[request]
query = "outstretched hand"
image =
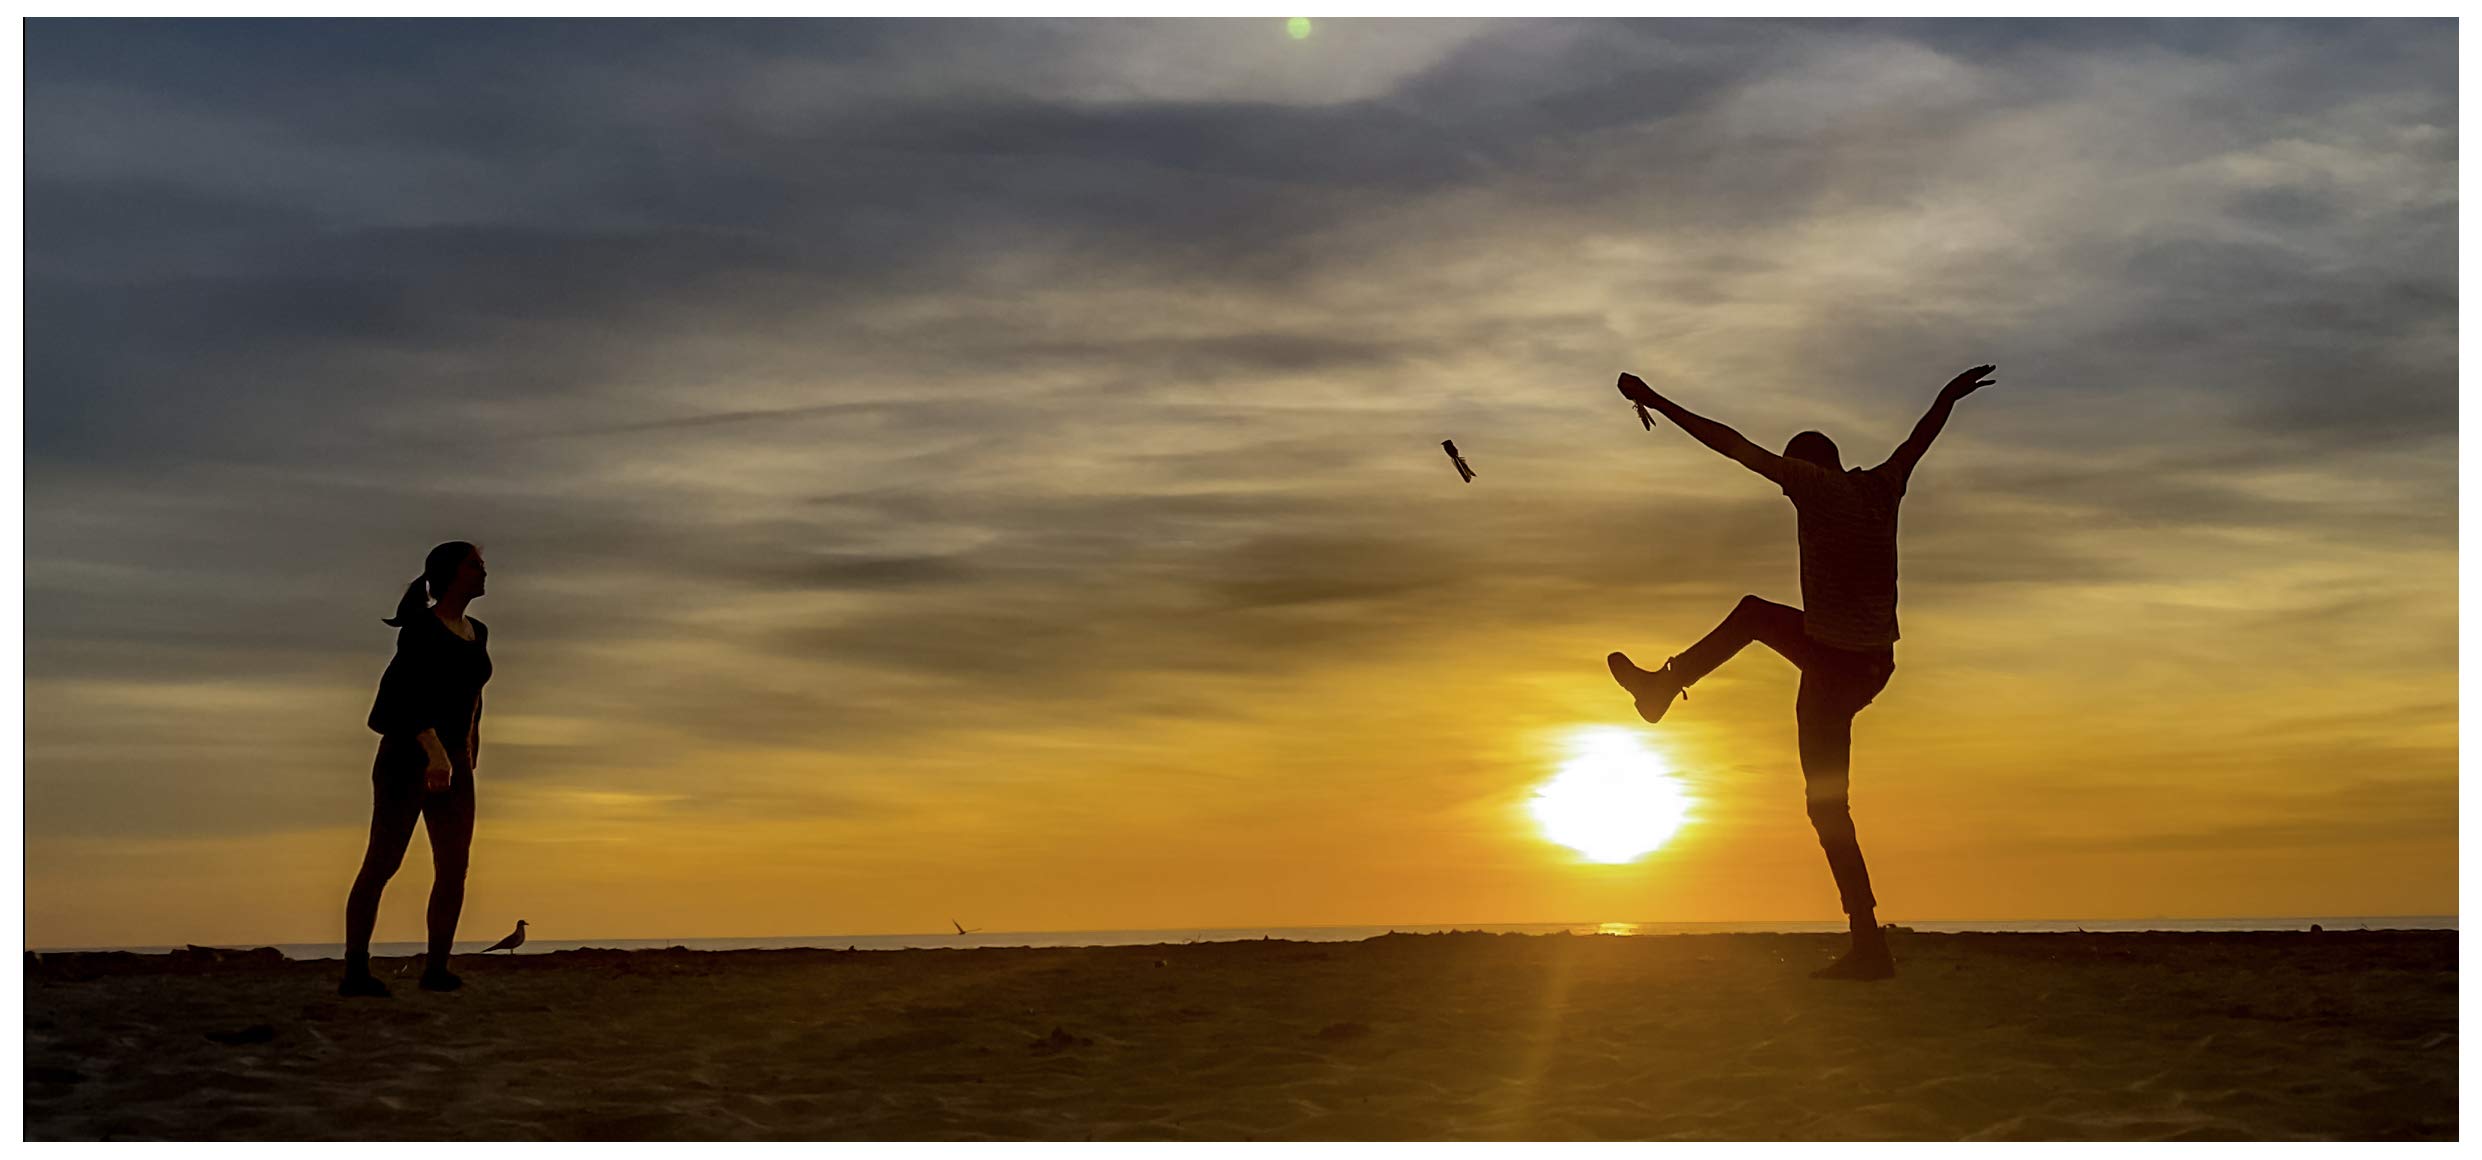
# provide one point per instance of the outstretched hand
(1966, 383)
(1636, 391)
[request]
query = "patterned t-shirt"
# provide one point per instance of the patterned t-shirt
(1847, 525)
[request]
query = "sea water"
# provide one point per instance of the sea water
(537, 943)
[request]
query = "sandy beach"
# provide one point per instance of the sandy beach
(1469, 1036)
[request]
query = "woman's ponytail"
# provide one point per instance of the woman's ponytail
(438, 569)
(412, 604)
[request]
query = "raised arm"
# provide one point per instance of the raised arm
(1727, 442)
(1910, 451)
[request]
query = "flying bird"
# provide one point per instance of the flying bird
(961, 927)
(516, 938)
(1466, 472)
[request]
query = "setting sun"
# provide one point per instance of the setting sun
(1614, 800)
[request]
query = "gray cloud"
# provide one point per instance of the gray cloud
(928, 364)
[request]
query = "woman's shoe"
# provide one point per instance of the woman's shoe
(1655, 691)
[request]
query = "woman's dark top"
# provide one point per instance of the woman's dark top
(435, 682)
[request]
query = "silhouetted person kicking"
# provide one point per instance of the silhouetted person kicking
(1843, 639)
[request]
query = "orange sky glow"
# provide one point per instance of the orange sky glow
(992, 472)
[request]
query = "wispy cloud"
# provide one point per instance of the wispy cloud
(854, 410)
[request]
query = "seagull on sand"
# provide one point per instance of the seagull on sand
(516, 938)
(1459, 460)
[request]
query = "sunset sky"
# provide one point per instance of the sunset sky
(991, 470)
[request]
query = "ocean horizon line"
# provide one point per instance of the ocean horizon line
(1328, 932)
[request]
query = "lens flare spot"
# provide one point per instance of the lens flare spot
(1298, 27)
(1613, 800)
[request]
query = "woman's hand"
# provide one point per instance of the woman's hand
(435, 768)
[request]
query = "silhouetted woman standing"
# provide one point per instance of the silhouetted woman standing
(429, 719)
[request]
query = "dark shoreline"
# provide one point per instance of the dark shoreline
(2038, 945)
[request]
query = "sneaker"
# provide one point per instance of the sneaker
(362, 986)
(1859, 966)
(440, 981)
(1655, 691)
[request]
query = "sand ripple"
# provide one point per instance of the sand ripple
(2009, 1037)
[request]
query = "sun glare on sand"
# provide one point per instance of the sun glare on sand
(1614, 800)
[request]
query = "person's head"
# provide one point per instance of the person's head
(1813, 447)
(453, 570)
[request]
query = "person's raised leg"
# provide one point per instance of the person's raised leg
(1825, 710)
(393, 813)
(1753, 619)
(448, 817)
